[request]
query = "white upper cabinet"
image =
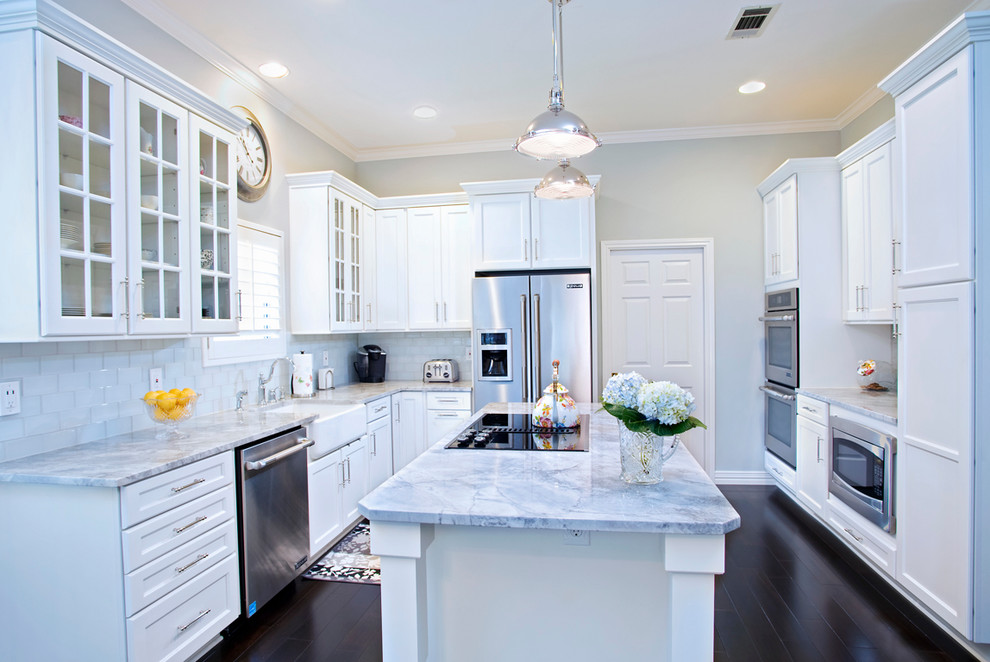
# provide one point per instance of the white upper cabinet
(326, 256)
(98, 173)
(158, 200)
(216, 304)
(867, 234)
(82, 194)
(438, 243)
(780, 233)
(521, 231)
(934, 127)
(391, 309)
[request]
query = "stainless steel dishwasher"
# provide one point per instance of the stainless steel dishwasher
(273, 512)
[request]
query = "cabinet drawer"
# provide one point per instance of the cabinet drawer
(448, 400)
(153, 496)
(871, 543)
(811, 408)
(186, 619)
(166, 573)
(785, 476)
(379, 408)
(149, 540)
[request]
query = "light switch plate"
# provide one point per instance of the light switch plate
(10, 398)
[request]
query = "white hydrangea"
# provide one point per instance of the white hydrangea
(665, 402)
(623, 389)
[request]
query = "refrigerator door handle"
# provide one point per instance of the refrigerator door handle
(537, 345)
(525, 343)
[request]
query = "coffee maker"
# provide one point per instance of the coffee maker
(370, 365)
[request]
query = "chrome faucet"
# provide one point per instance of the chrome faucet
(263, 381)
(240, 399)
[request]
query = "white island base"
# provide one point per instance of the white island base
(456, 593)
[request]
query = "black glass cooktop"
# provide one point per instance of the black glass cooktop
(515, 432)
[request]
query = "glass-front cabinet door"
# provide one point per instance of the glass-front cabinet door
(216, 300)
(158, 213)
(346, 263)
(81, 194)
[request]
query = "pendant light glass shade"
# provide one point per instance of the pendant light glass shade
(564, 182)
(557, 133)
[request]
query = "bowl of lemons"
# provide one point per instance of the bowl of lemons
(169, 408)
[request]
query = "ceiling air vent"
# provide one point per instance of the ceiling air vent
(751, 21)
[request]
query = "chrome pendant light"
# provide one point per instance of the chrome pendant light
(557, 133)
(564, 182)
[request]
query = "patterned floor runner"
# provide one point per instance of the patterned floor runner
(350, 560)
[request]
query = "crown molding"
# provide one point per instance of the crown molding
(56, 22)
(879, 136)
(427, 200)
(797, 166)
(512, 186)
(967, 29)
(198, 43)
(859, 106)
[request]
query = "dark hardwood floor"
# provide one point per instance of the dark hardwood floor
(790, 592)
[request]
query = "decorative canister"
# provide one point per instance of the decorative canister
(555, 409)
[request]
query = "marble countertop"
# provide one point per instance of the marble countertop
(551, 490)
(128, 458)
(878, 405)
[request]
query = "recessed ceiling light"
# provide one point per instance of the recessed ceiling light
(273, 70)
(425, 112)
(752, 87)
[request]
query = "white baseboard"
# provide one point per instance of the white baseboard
(760, 477)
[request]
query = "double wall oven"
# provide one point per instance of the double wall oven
(780, 323)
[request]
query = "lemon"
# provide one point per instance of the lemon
(151, 395)
(167, 402)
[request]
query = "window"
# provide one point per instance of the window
(259, 276)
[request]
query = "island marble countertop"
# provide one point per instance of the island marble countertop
(550, 489)
(878, 405)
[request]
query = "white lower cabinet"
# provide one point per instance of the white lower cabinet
(862, 536)
(324, 501)
(780, 471)
(159, 585)
(812, 455)
(354, 458)
(408, 427)
(379, 441)
(445, 412)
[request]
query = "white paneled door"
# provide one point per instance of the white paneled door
(656, 321)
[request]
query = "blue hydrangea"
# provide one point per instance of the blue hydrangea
(665, 402)
(623, 389)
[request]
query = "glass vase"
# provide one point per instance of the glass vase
(642, 455)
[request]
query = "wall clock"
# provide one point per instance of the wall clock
(254, 158)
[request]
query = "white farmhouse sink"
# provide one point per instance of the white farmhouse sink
(336, 424)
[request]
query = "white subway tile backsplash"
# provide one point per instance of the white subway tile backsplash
(81, 391)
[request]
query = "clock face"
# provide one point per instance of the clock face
(254, 166)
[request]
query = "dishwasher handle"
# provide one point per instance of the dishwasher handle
(271, 459)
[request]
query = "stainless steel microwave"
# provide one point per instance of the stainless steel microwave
(862, 471)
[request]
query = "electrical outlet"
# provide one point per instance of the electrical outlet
(10, 398)
(326, 358)
(577, 537)
(155, 379)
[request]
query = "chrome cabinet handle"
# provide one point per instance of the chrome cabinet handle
(343, 477)
(240, 306)
(819, 450)
(525, 254)
(441, 414)
(893, 257)
(436, 311)
(127, 299)
(850, 532)
(374, 444)
(536, 249)
(777, 471)
(348, 471)
(444, 311)
(866, 301)
(379, 409)
(201, 518)
(807, 408)
(176, 490)
(367, 318)
(183, 628)
(191, 563)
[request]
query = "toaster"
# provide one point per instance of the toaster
(440, 370)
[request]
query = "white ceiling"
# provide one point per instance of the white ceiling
(635, 69)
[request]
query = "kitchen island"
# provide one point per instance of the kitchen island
(526, 555)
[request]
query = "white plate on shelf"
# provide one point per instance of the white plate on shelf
(102, 247)
(69, 311)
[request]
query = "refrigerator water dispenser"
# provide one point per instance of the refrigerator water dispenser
(493, 355)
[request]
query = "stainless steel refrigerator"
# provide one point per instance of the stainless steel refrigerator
(521, 324)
